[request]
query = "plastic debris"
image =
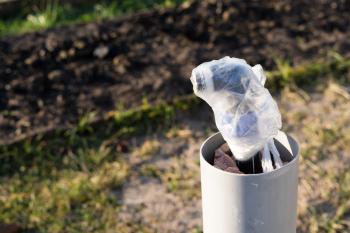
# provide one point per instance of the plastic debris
(245, 112)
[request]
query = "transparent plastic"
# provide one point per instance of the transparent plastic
(245, 112)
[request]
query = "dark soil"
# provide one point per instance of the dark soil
(52, 78)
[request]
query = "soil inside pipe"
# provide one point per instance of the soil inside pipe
(251, 166)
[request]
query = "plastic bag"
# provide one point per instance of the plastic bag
(245, 112)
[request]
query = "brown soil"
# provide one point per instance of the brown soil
(52, 78)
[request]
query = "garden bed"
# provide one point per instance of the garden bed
(53, 78)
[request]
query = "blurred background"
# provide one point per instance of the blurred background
(100, 131)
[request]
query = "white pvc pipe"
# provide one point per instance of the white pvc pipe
(250, 203)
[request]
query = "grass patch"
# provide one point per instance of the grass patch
(46, 150)
(60, 184)
(65, 181)
(308, 74)
(332, 213)
(52, 13)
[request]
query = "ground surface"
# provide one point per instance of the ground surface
(319, 121)
(53, 78)
(137, 170)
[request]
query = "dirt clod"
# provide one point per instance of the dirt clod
(9, 228)
(224, 161)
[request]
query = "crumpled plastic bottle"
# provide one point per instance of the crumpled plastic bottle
(245, 112)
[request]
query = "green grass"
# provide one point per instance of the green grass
(52, 14)
(309, 74)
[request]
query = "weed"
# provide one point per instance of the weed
(285, 71)
(148, 148)
(150, 170)
(54, 14)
